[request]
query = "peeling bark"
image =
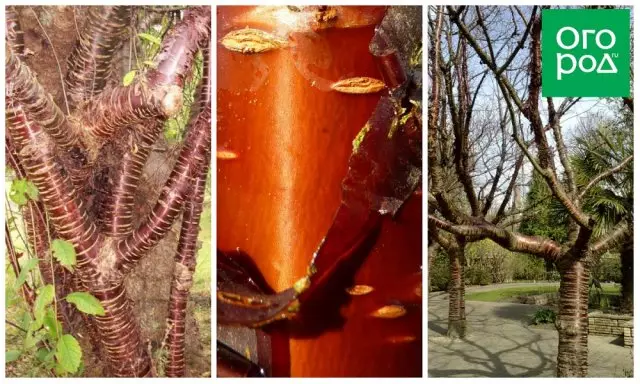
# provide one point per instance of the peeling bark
(88, 178)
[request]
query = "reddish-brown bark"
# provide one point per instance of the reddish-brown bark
(284, 141)
(96, 217)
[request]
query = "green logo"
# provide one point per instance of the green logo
(586, 52)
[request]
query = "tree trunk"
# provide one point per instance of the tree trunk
(573, 319)
(457, 316)
(85, 148)
(626, 266)
(285, 135)
(431, 255)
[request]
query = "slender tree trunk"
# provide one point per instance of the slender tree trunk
(431, 254)
(626, 266)
(457, 316)
(573, 319)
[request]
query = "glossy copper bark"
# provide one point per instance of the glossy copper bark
(284, 139)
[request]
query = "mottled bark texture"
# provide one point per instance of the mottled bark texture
(86, 147)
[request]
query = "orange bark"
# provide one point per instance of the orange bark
(284, 138)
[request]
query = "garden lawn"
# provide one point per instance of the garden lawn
(511, 293)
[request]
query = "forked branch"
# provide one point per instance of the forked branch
(193, 156)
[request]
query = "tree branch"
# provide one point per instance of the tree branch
(115, 215)
(158, 94)
(15, 34)
(193, 156)
(23, 88)
(554, 122)
(603, 175)
(185, 265)
(537, 246)
(89, 64)
(611, 239)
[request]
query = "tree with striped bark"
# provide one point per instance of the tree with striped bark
(521, 99)
(81, 135)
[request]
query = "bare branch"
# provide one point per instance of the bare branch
(605, 174)
(611, 239)
(185, 265)
(513, 241)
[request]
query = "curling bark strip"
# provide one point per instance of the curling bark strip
(25, 90)
(158, 94)
(185, 264)
(194, 153)
(116, 215)
(120, 334)
(89, 65)
(292, 96)
(15, 35)
(383, 173)
(66, 210)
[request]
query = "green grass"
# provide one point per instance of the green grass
(201, 290)
(202, 275)
(510, 293)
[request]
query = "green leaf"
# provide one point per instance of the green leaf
(27, 267)
(52, 325)
(22, 190)
(68, 354)
(26, 320)
(150, 38)
(32, 191)
(128, 78)
(64, 252)
(85, 302)
(45, 297)
(17, 192)
(11, 356)
(10, 298)
(31, 340)
(44, 355)
(149, 63)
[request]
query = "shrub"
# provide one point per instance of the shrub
(607, 268)
(439, 271)
(479, 275)
(487, 262)
(544, 316)
(527, 267)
